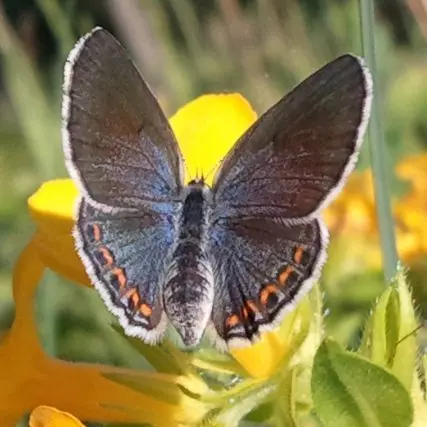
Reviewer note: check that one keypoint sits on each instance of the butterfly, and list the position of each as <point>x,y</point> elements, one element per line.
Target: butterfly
<point>229,260</point>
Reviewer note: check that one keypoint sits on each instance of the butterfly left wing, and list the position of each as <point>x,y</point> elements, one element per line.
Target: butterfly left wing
<point>121,152</point>
<point>262,267</point>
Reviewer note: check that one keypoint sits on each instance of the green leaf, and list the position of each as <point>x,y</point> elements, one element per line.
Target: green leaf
<point>405,351</point>
<point>389,339</point>
<point>247,400</point>
<point>350,391</point>
<point>381,331</point>
<point>284,403</point>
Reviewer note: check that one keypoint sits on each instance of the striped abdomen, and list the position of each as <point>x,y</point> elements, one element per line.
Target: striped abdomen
<point>188,291</point>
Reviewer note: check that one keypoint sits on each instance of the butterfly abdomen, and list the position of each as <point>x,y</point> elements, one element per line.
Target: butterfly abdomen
<point>188,288</point>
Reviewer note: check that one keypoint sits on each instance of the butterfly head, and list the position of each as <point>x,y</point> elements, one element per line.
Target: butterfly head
<point>198,181</point>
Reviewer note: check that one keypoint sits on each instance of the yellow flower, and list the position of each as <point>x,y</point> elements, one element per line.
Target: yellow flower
<point>33,378</point>
<point>353,215</point>
<point>411,209</point>
<point>206,129</point>
<point>46,416</point>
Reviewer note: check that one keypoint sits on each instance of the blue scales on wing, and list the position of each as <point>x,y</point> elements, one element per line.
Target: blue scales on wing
<point>120,150</point>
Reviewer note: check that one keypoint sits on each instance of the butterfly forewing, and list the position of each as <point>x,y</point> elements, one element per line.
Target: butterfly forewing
<point>298,154</point>
<point>117,142</point>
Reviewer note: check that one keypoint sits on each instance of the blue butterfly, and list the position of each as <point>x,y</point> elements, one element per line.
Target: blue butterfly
<point>229,260</point>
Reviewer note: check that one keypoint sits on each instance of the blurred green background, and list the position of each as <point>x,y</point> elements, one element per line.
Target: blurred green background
<point>185,48</point>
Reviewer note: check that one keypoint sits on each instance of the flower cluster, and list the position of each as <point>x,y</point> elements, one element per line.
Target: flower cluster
<point>353,215</point>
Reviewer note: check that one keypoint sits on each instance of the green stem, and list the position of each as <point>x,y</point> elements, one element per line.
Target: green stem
<point>378,151</point>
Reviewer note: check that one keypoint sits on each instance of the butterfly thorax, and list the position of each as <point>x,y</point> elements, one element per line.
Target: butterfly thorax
<point>188,288</point>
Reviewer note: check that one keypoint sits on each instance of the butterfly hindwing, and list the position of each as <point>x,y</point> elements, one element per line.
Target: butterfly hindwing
<point>261,266</point>
<point>118,144</point>
<point>121,152</point>
<point>295,158</point>
<point>125,254</point>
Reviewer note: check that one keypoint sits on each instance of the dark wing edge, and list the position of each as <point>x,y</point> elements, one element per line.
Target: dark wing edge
<point>149,336</point>
<point>225,345</point>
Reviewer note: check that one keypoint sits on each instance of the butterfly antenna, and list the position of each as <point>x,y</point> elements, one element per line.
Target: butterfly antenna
<point>186,168</point>
<point>214,167</point>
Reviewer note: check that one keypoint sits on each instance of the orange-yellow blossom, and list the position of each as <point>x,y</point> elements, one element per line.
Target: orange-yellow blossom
<point>29,377</point>
<point>46,416</point>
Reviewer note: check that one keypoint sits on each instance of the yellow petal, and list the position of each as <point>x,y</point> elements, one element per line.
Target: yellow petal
<point>414,170</point>
<point>207,128</point>
<point>261,359</point>
<point>46,416</point>
<point>52,209</point>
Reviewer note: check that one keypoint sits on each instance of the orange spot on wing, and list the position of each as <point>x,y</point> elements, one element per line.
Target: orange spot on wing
<point>130,292</point>
<point>107,255</point>
<point>120,274</point>
<point>135,299</point>
<point>145,310</point>
<point>284,275</point>
<point>251,305</point>
<point>266,292</point>
<point>232,320</point>
<point>298,254</point>
<point>96,232</point>
<point>245,313</point>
